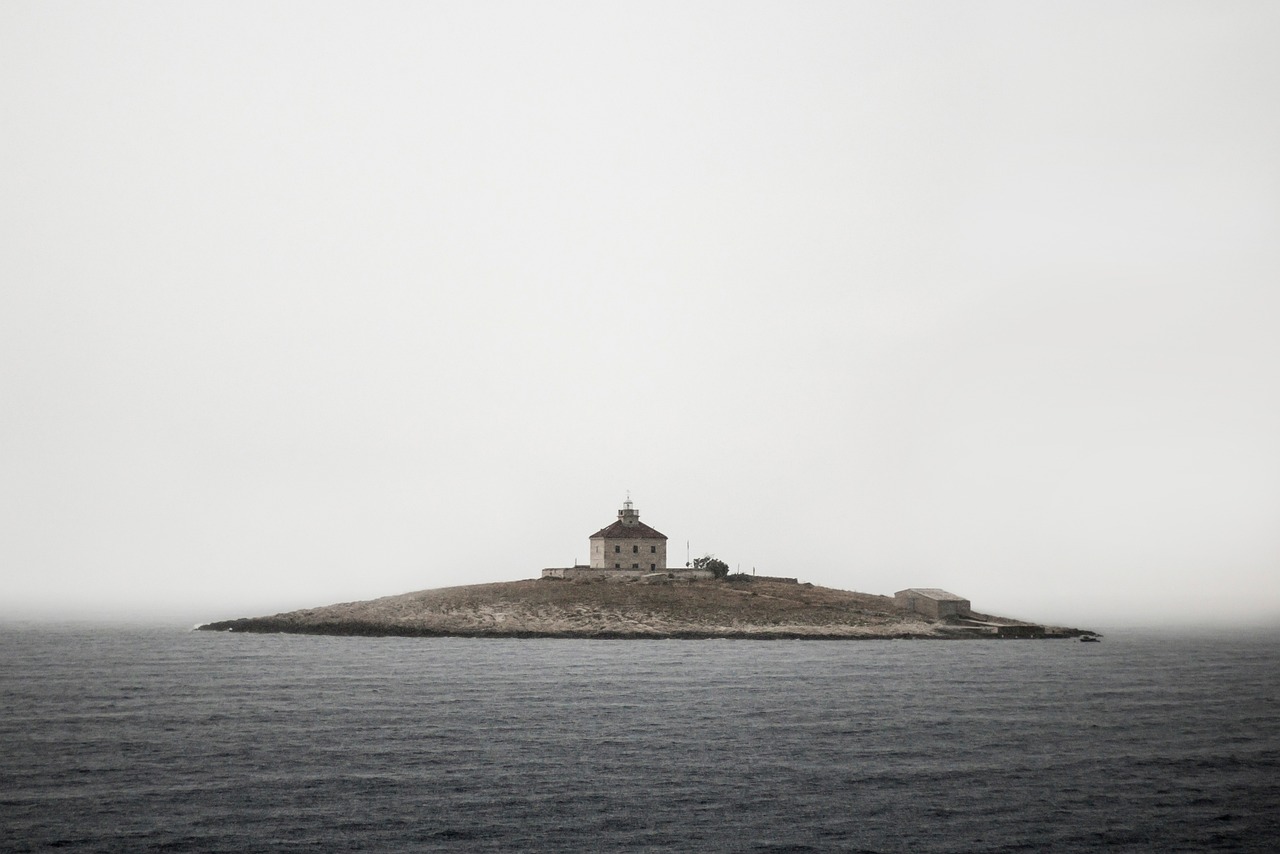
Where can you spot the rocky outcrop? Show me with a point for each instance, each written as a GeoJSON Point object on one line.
{"type": "Point", "coordinates": [741, 608]}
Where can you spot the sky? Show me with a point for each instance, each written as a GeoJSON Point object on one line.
{"type": "Point", "coordinates": [303, 303]}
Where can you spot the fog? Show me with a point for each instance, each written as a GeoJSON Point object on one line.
{"type": "Point", "coordinates": [312, 302]}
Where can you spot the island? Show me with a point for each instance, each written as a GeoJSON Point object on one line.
{"type": "Point", "coordinates": [627, 591]}
{"type": "Point", "coordinates": [733, 607]}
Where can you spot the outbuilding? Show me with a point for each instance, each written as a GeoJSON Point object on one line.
{"type": "Point", "coordinates": [931, 602]}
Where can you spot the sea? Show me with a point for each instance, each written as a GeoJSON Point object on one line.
{"type": "Point", "coordinates": [158, 738]}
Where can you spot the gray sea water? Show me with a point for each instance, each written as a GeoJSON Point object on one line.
{"type": "Point", "coordinates": [157, 739]}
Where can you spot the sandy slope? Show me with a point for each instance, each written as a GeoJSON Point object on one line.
{"type": "Point", "coordinates": [599, 609]}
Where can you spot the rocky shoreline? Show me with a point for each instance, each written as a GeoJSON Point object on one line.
{"type": "Point", "coordinates": [741, 609]}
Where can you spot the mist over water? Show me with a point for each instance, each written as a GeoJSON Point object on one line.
{"type": "Point", "coordinates": [154, 739]}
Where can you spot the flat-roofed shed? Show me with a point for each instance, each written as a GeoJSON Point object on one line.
{"type": "Point", "coordinates": [932, 602]}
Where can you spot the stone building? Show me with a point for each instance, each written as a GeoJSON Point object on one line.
{"type": "Point", "coordinates": [931, 602]}
{"type": "Point", "coordinates": [629, 544]}
{"type": "Point", "coordinates": [627, 549]}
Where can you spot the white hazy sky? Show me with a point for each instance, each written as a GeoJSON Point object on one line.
{"type": "Point", "coordinates": [310, 302]}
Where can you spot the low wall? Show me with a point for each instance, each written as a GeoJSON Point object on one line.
{"type": "Point", "coordinates": [589, 573]}
{"type": "Point", "coordinates": [1020, 632]}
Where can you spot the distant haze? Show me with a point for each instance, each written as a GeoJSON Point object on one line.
{"type": "Point", "coordinates": [311, 302]}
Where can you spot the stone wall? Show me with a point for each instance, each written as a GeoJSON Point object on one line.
{"type": "Point", "coordinates": [589, 573]}
{"type": "Point", "coordinates": [624, 553]}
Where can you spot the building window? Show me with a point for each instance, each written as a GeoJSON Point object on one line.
{"type": "Point", "coordinates": [617, 566]}
{"type": "Point", "coordinates": [635, 550]}
{"type": "Point", "coordinates": [635, 566]}
{"type": "Point", "coordinates": [653, 550]}
{"type": "Point", "coordinates": [617, 549]}
{"type": "Point", "coordinates": [653, 566]}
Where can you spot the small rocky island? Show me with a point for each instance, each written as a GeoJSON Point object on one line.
{"type": "Point", "coordinates": [734, 607]}
{"type": "Point", "coordinates": [627, 591]}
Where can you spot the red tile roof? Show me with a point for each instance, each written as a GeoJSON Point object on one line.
{"type": "Point", "coordinates": [619, 531]}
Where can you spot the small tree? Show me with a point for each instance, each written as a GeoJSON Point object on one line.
{"type": "Point", "coordinates": [718, 567]}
